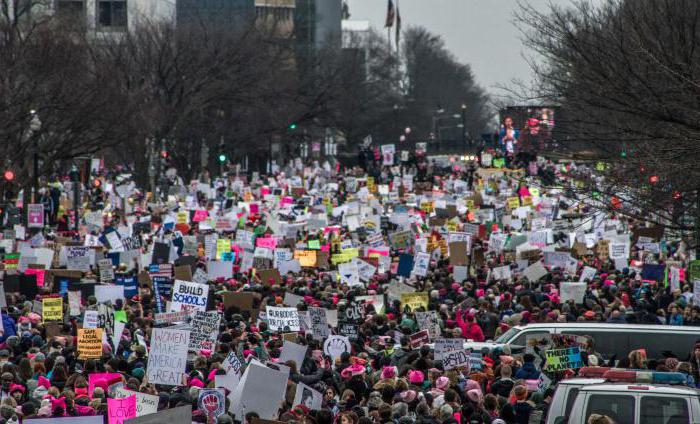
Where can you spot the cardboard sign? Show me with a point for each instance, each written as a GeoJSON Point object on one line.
{"type": "Point", "coordinates": [121, 409]}
{"type": "Point", "coordinates": [443, 346]}
{"type": "Point", "coordinates": [456, 359]}
{"type": "Point", "coordinates": [189, 296]}
{"type": "Point", "coordinates": [308, 397]}
{"type": "Point", "coordinates": [334, 346]}
{"type": "Point", "coordinates": [563, 359]}
{"type": "Point", "coordinates": [106, 271]}
{"type": "Point", "coordinates": [204, 330]}
{"type": "Point", "coordinates": [279, 319]}
{"type": "Point", "coordinates": [35, 215]}
{"type": "Point", "coordinates": [414, 301]}
{"type": "Point", "coordinates": [572, 291]}
{"type": "Point", "coordinates": [212, 402]}
{"type": "Point", "coordinates": [89, 343]}
{"type": "Point", "coordinates": [430, 322]}
{"type": "Point", "coordinates": [179, 415]}
{"type": "Point", "coordinates": [419, 339]}
{"type": "Point", "coordinates": [145, 403]}
{"type": "Point", "coordinates": [52, 308]}
{"type": "Point", "coordinates": [167, 359]}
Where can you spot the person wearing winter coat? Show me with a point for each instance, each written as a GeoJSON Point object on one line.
{"type": "Point", "coordinates": [470, 329]}
{"type": "Point", "coordinates": [528, 371]}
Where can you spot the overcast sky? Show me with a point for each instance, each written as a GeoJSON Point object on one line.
{"type": "Point", "coordinates": [478, 32]}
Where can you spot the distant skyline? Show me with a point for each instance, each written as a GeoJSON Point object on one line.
{"type": "Point", "coordinates": [478, 32]}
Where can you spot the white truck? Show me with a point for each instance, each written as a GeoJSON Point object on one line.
{"type": "Point", "coordinates": [626, 397]}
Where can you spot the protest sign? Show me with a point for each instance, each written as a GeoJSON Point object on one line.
{"type": "Point", "coordinates": [447, 345]}
{"type": "Point", "coordinates": [286, 319]}
{"type": "Point", "coordinates": [121, 409]}
{"type": "Point", "coordinates": [419, 339]}
{"type": "Point", "coordinates": [414, 301]}
{"type": "Point", "coordinates": [78, 257]}
{"type": "Point", "coordinates": [106, 271]}
{"type": "Point", "coordinates": [696, 292]}
{"type": "Point", "coordinates": [189, 296]}
{"type": "Point", "coordinates": [89, 343]}
{"type": "Point", "coordinates": [563, 359]}
{"type": "Point", "coordinates": [52, 308]}
{"type": "Point", "coordinates": [308, 397]}
{"type": "Point", "coordinates": [213, 403]}
{"type": "Point", "coordinates": [145, 403]}
{"type": "Point", "coordinates": [349, 274]}
{"type": "Point", "coordinates": [171, 317]}
{"type": "Point", "coordinates": [572, 291]}
{"type": "Point", "coordinates": [501, 273]}
{"type": "Point", "coordinates": [319, 323]}
{"type": "Point", "coordinates": [35, 215]}
{"type": "Point", "coordinates": [334, 346]}
{"type": "Point", "coordinates": [351, 331]}
{"type": "Point", "coordinates": [292, 352]}
{"type": "Point", "coordinates": [90, 319]}
{"type": "Point", "coordinates": [261, 389]}
{"type": "Point", "coordinates": [456, 359]}
{"type": "Point", "coordinates": [109, 293]}
{"type": "Point", "coordinates": [587, 274]}
{"type": "Point", "coordinates": [96, 419]}
{"type": "Point", "coordinates": [178, 415]}
{"type": "Point", "coordinates": [167, 358]}
{"type": "Point", "coordinates": [204, 330]}
{"type": "Point", "coordinates": [535, 271]}
{"type": "Point", "coordinates": [429, 321]}
{"type": "Point", "coordinates": [420, 264]}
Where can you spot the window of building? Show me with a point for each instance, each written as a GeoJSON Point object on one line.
{"type": "Point", "coordinates": [112, 14]}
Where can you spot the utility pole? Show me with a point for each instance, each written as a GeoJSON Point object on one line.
{"type": "Point", "coordinates": [697, 224]}
{"type": "Point", "coordinates": [464, 126]}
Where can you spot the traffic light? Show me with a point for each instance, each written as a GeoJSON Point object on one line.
{"type": "Point", "coordinates": [96, 183]}
{"type": "Point", "coordinates": [677, 195]}
{"type": "Point", "coordinates": [292, 126]}
{"type": "Point", "coordinates": [654, 179]}
{"type": "Point", "coordinates": [222, 158]}
{"type": "Point", "coordinates": [164, 154]}
{"type": "Point", "coordinates": [9, 175]}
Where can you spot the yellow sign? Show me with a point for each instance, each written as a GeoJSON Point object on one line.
{"type": "Point", "coordinates": [370, 185]}
{"type": "Point", "coordinates": [414, 301]}
{"type": "Point", "coordinates": [470, 204]}
{"type": "Point", "coordinates": [89, 343]}
{"type": "Point", "coordinates": [426, 207]}
{"type": "Point", "coordinates": [527, 201]}
{"type": "Point", "coordinates": [306, 258]}
{"type": "Point", "coordinates": [222, 246]}
{"type": "Point", "coordinates": [535, 192]}
{"type": "Point", "coordinates": [513, 203]}
{"type": "Point", "coordinates": [340, 258]}
{"type": "Point", "coordinates": [183, 217]}
{"type": "Point", "coordinates": [52, 308]}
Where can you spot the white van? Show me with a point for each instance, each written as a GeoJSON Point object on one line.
{"type": "Point", "coordinates": [565, 395]}
{"type": "Point", "coordinates": [614, 339]}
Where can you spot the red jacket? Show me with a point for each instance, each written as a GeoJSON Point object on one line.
{"type": "Point", "coordinates": [470, 330]}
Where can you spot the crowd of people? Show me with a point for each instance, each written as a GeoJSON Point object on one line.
{"type": "Point", "coordinates": [350, 248]}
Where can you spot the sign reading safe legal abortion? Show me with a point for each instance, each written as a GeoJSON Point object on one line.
{"type": "Point", "coordinates": [189, 296]}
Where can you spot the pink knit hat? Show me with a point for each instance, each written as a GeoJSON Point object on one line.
{"type": "Point", "coordinates": [442, 383]}
{"type": "Point", "coordinates": [388, 372]}
{"type": "Point", "coordinates": [352, 370]}
{"type": "Point", "coordinates": [415, 377]}
{"type": "Point", "coordinates": [195, 382]}
{"type": "Point", "coordinates": [408, 396]}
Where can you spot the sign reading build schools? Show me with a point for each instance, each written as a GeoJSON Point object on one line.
{"type": "Point", "coordinates": [189, 296]}
{"type": "Point", "coordinates": [279, 318]}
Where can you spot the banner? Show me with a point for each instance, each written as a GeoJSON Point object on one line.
{"type": "Point", "coordinates": [167, 359]}
{"type": "Point", "coordinates": [204, 330]}
{"type": "Point", "coordinates": [188, 296]}
{"type": "Point", "coordinates": [52, 308]}
{"type": "Point", "coordinates": [282, 319]}
{"type": "Point", "coordinates": [89, 343]}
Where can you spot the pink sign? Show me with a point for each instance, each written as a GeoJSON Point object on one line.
{"type": "Point", "coordinates": [120, 410]}
{"type": "Point", "coordinates": [254, 208]}
{"type": "Point", "coordinates": [265, 191]}
{"type": "Point", "coordinates": [35, 215]}
{"type": "Point", "coordinates": [108, 377]}
{"type": "Point", "coordinates": [266, 242]}
{"type": "Point", "coordinates": [286, 201]}
{"type": "Point", "coordinates": [40, 275]}
{"type": "Point", "coordinates": [377, 251]}
{"type": "Point", "coordinates": [200, 215]}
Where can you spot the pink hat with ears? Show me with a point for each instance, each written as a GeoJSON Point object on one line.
{"type": "Point", "coordinates": [212, 375]}
{"type": "Point", "coordinates": [44, 382]}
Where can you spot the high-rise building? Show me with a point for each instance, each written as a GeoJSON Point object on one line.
{"type": "Point", "coordinates": [120, 15]}
{"type": "Point", "coordinates": [317, 22]}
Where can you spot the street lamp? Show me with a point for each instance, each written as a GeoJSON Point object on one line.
{"type": "Point", "coordinates": [35, 127]}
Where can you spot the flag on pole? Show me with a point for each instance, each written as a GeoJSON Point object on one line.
{"type": "Point", "coordinates": [390, 15]}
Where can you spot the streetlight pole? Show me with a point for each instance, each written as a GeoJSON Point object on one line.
{"type": "Point", "coordinates": [34, 128]}
{"type": "Point", "coordinates": [464, 125]}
